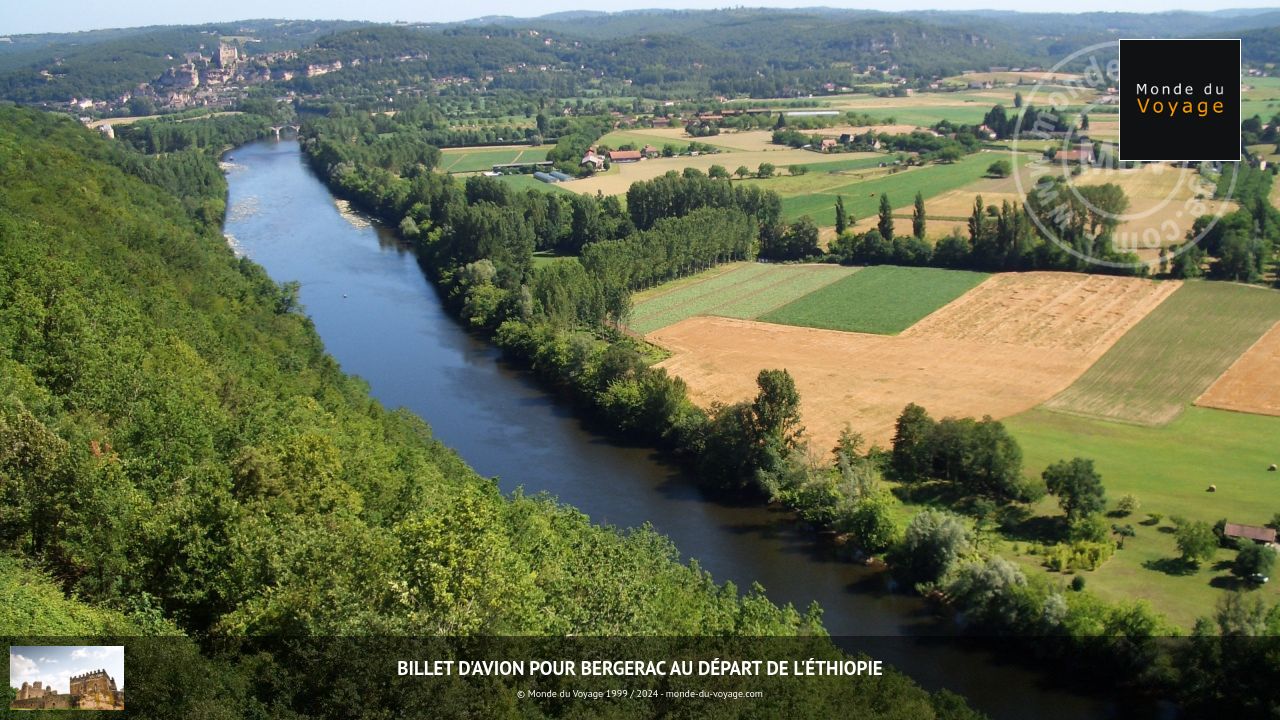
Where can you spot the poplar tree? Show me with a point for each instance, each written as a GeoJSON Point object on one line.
{"type": "Point", "coordinates": [886, 218]}
{"type": "Point", "coordinates": [917, 219]}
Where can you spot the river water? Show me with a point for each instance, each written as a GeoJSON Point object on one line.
{"type": "Point", "coordinates": [381, 318]}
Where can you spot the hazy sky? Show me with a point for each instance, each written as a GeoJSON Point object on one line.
{"type": "Point", "coordinates": [19, 16]}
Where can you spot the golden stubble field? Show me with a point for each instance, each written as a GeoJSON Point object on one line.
{"type": "Point", "coordinates": [1004, 347]}
{"type": "Point", "coordinates": [1252, 383]}
{"type": "Point", "coordinates": [622, 175]}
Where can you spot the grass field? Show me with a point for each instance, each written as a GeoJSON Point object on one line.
{"type": "Point", "coordinates": [885, 299]}
{"type": "Point", "coordinates": [862, 198]}
{"type": "Point", "coordinates": [529, 182]}
{"type": "Point", "coordinates": [1172, 356]}
{"type": "Point", "coordinates": [1169, 469]}
{"type": "Point", "coordinates": [743, 290]}
{"type": "Point", "coordinates": [476, 159]}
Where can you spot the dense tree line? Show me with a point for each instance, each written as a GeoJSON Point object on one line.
{"type": "Point", "coordinates": [1006, 238]}
{"type": "Point", "coordinates": [217, 133]}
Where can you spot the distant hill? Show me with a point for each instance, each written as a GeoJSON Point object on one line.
{"type": "Point", "coordinates": [689, 52]}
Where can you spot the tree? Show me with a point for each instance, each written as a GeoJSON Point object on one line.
{"type": "Point", "coordinates": [917, 217]}
{"type": "Point", "coordinates": [934, 541]}
{"type": "Point", "coordinates": [797, 169]}
{"type": "Point", "coordinates": [842, 219]}
{"type": "Point", "coordinates": [1078, 487]}
{"type": "Point", "coordinates": [999, 169]}
{"type": "Point", "coordinates": [987, 590]}
{"type": "Point", "coordinates": [912, 456]}
{"type": "Point", "coordinates": [1188, 263]}
{"type": "Point", "coordinates": [1017, 99]}
{"type": "Point", "coordinates": [777, 407]}
{"type": "Point", "coordinates": [872, 525]}
{"type": "Point", "coordinates": [1084, 121]}
{"type": "Point", "coordinates": [1196, 541]}
{"type": "Point", "coordinates": [1253, 559]}
{"type": "Point", "coordinates": [718, 172]}
{"type": "Point", "coordinates": [742, 171]}
{"type": "Point", "coordinates": [885, 224]}
{"type": "Point", "coordinates": [765, 170]}
{"type": "Point", "coordinates": [799, 240]}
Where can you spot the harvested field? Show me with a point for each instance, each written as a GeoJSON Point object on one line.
{"type": "Point", "coordinates": [1049, 310]}
{"type": "Point", "coordinates": [1172, 356]}
{"type": "Point", "coordinates": [885, 299]}
{"type": "Point", "coordinates": [621, 175]}
{"type": "Point", "coordinates": [1252, 383]}
{"type": "Point", "coordinates": [746, 291]}
{"type": "Point", "coordinates": [1003, 348]}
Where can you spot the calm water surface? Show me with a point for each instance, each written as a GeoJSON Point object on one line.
{"type": "Point", "coordinates": [383, 321]}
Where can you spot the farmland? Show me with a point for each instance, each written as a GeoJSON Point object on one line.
{"type": "Point", "coordinates": [862, 198]}
{"type": "Point", "coordinates": [1252, 383]}
{"type": "Point", "coordinates": [745, 290]}
{"type": "Point", "coordinates": [1169, 469]}
{"type": "Point", "coordinates": [885, 299]}
{"type": "Point", "coordinates": [1044, 328]}
{"type": "Point", "coordinates": [476, 159]}
{"type": "Point", "coordinates": [1172, 356]}
{"type": "Point", "coordinates": [621, 175]}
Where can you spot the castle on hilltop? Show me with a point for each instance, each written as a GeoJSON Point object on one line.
{"type": "Point", "coordinates": [91, 691]}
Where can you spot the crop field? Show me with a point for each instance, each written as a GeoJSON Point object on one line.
{"type": "Point", "coordinates": [1025, 76]}
{"type": "Point", "coordinates": [657, 137]}
{"type": "Point", "coordinates": [1000, 349]}
{"type": "Point", "coordinates": [622, 175]}
{"type": "Point", "coordinates": [1252, 383]}
{"type": "Point", "coordinates": [1172, 356]}
{"type": "Point", "coordinates": [747, 290]}
{"type": "Point", "coordinates": [884, 299]}
{"type": "Point", "coordinates": [476, 159]}
{"type": "Point", "coordinates": [862, 198]}
{"type": "Point", "coordinates": [1169, 469]}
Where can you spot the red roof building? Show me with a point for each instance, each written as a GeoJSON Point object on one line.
{"type": "Point", "coordinates": [1250, 532]}
{"type": "Point", "coordinates": [624, 156]}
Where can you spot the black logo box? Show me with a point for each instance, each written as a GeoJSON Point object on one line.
{"type": "Point", "coordinates": [1180, 137]}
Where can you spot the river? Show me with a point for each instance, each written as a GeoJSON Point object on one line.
{"type": "Point", "coordinates": [382, 320]}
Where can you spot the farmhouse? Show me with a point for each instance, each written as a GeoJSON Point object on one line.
{"type": "Point", "coordinates": [1263, 535]}
{"type": "Point", "coordinates": [1083, 155]}
{"type": "Point", "coordinates": [624, 156]}
{"type": "Point", "coordinates": [591, 158]}
{"type": "Point", "coordinates": [650, 151]}
{"type": "Point", "coordinates": [828, 144]}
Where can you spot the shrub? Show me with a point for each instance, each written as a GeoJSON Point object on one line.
{"type": "Point", "coordinates": [934, 541]}
{"type": "Point", "coordinates": [1077, 583]}
{"type": "Point", "coordinates": [872, 525]}
{"type": "Point", "coordinates": [1127, 505]}
{"type": "Point", "coordinates": [1081, 555]}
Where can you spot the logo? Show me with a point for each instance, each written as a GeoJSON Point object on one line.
{"type": "Point", "coordinates": [1079, 192]}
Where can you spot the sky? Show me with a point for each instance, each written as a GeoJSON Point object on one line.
{"type": "Point", "coordinates": [17, 17]}
{"type": "Point", "coordinates": [54, 665]}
